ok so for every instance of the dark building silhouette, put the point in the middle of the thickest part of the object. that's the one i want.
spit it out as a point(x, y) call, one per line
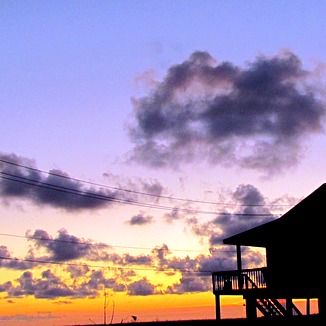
point(295, 254)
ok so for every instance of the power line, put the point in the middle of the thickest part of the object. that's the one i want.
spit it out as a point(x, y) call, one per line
point(102, 266)
point(107, 245)
point(139, 192)
point(49, 186)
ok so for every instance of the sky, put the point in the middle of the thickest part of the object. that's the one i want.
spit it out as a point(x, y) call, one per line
point(136, 136)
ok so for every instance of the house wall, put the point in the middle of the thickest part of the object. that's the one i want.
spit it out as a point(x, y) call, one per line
point(295, 267)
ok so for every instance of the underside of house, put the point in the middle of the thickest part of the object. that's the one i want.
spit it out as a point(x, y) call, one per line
point(251, 285)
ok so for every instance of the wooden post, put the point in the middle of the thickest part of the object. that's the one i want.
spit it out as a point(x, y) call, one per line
point(251, 311)
point(321, 307)
point(239, 266)
point(217, 307)
point(308, 307)
point(289, 306)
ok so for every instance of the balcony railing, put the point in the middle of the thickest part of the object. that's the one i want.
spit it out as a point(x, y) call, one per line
point(239, 281)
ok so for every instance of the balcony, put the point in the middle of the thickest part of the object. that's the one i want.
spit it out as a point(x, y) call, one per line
point(239, 282)
point(252, 285)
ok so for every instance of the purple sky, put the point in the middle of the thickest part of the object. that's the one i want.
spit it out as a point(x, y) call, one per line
point(139, 134)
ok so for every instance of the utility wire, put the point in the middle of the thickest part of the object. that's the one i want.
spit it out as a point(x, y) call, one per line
point(102, 266)
point(49, 186)
point(138, 192)
point(107, 245)
point(88, 194)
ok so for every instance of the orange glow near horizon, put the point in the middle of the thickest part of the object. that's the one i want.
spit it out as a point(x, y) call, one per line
point(120, 308)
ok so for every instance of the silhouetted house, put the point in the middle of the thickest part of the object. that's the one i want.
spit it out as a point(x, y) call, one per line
point(295, 254)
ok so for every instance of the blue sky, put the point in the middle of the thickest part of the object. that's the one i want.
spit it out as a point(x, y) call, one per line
point(168, 104)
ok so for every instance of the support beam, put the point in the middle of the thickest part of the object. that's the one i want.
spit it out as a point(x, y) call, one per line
point(321, 306)
point(239, 262)
point(217, 307)
point(308, 307)
point(251, 311)
point(239, 266)
point(289, 306)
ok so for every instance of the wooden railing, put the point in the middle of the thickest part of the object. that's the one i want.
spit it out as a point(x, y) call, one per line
point(246, 279)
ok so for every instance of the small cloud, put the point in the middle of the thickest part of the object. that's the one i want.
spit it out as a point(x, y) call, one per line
point(140, 219)
point(142, 287)
point(62, 302)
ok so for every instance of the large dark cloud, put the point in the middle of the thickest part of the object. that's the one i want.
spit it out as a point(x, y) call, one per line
point(256, 117)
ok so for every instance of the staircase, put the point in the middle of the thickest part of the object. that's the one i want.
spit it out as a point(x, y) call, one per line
point(270, 307)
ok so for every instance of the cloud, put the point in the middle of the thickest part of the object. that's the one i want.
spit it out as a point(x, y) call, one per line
point(88, 281)
point(140, 219)
point(142, 287)
point(128, 259)
point(21, 180)
point(190, 284)
point(77, 271)
point(246, 208)
point(255, 117)
point(134, 188)
point(51, 286)
point(251, 211)
point(7, 261)
point(93, 282)
point(174, 215)
point(63, 302)
point(55, 188)
point(48, 286)
point(28, 318)
point(65, 246)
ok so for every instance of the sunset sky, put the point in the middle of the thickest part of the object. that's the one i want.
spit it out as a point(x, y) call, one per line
point(137, 135)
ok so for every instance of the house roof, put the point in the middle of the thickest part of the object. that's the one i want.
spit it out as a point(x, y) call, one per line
point(303, 221)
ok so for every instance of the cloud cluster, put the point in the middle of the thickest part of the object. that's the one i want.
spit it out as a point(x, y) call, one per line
point(86, 280)
point(122, 272)
point(249, 210)
point(51, 286)
point(254, 117)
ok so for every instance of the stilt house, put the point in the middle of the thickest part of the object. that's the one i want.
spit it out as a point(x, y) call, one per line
point(295, 256)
